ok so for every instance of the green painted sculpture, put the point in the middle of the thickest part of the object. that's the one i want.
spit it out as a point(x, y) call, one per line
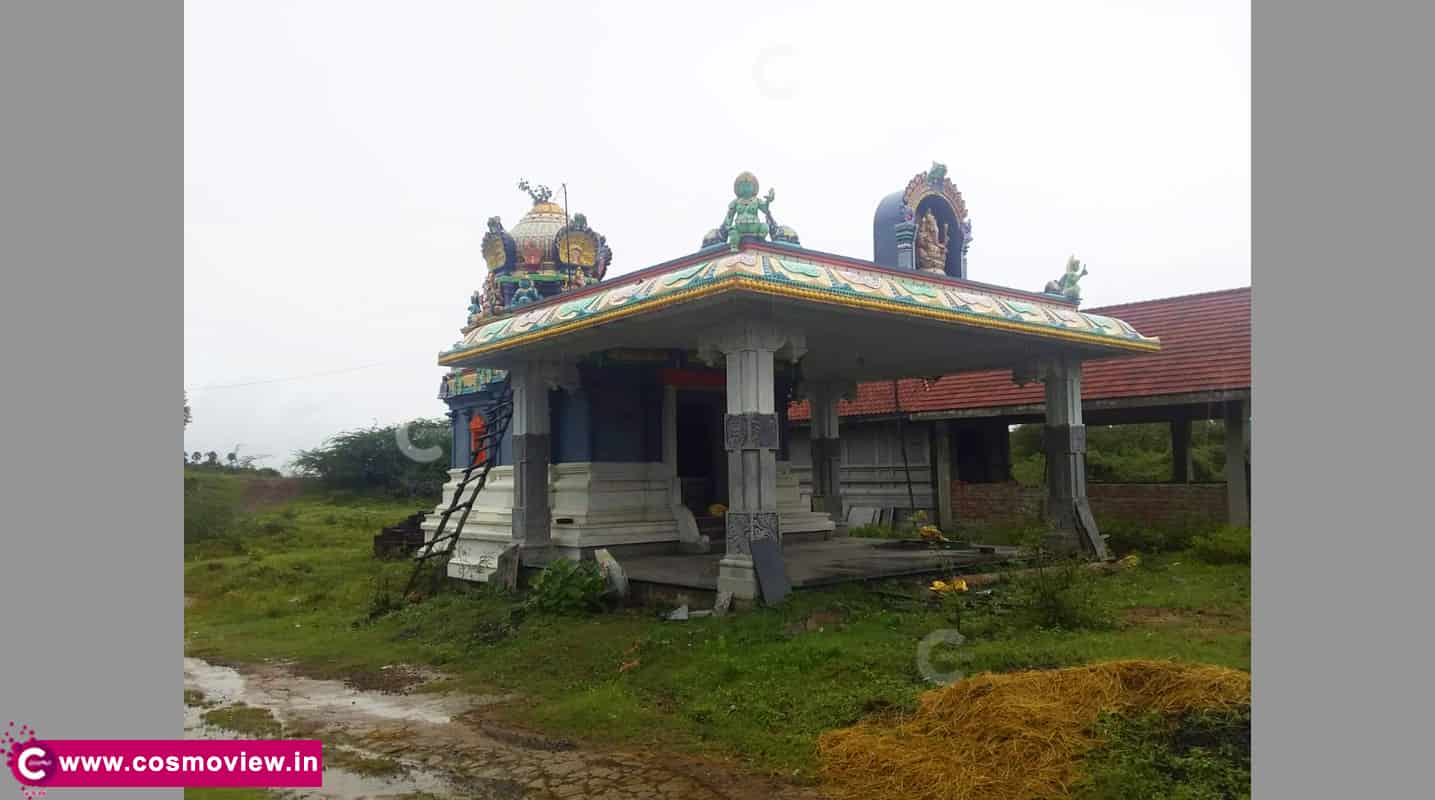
point(749, 215)
point(745, 211)
point(525, 294)
point(1066, 285)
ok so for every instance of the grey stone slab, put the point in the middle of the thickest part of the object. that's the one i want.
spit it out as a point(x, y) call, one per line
point(862, 515)
point(772, 578)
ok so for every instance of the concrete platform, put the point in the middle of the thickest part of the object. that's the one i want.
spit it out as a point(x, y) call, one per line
point(815, 563)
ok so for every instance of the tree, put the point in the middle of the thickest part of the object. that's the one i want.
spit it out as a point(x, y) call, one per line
point(1137, 453)
point(211, 459)
point(196, 457)
point(187, 417)
point(370, 459)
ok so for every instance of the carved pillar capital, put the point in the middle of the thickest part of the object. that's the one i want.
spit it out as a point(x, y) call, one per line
point(1045, 370)
point(741, 335)
point(556, 374)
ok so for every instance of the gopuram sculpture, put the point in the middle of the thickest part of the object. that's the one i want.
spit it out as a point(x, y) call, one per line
point(543, 256)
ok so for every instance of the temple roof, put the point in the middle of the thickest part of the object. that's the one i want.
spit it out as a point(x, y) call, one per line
point(804, 281)
point(1205, 348)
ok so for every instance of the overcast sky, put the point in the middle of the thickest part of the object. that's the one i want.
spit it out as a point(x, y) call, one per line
point(341, 159)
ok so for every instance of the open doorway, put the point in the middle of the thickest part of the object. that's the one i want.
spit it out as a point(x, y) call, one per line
point(702, 462)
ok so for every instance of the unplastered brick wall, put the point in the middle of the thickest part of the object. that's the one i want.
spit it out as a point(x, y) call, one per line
point(1150, 503)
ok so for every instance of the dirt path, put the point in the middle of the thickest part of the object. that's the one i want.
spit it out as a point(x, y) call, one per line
point(382, 745)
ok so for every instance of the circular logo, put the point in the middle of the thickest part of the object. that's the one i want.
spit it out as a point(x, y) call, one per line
point(34, 763)
point(948, 636)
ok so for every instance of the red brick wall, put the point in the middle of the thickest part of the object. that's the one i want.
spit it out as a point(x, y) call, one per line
point(1150, 503)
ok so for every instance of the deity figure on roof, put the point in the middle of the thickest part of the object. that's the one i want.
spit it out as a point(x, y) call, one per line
point(1066, 285)
point(932, 244)
point(525, 294)
point(742, 213)
point(749, 215)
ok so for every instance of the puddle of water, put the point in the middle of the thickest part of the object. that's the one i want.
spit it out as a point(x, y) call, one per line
point(223, 686)
point(290, 695)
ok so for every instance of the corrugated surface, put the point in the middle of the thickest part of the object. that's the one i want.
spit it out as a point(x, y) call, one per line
point(1205, 346)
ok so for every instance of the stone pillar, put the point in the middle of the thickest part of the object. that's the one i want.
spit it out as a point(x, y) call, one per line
point(670, 441)
point(1181, 460)
point(946, 518)
point(1064, 439)
point(996, 438)
point(1238, 502)
point(822, 398)
point(750, 436)
point(532, 452)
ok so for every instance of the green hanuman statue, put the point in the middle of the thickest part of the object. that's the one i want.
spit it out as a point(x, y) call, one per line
point(1068, 284)
point(745, 217)
point(743, 212)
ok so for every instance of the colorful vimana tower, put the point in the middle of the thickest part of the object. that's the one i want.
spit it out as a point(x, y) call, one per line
point(645, 415)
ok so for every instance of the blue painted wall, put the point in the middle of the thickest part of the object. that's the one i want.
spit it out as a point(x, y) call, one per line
point(626, 414)
point(572, 427)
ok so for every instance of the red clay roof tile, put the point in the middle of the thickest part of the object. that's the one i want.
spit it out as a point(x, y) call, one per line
point(1205, 346)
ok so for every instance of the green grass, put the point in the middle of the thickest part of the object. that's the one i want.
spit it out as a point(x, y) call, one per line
point(1204, 756)
point(248, 721)
point(756, 684)
point(370, 766)
point(209, 793)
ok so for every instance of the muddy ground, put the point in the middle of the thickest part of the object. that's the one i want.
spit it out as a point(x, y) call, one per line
point(390, 739)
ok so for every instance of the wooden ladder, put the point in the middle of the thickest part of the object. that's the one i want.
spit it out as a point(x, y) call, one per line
point(432, 559)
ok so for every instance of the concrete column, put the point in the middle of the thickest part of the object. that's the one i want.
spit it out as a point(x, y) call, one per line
point(670, 441)
point(827, 450)
point(458, 450)
point(1065, 445)
point(946, 519)
point(750, 436)
point(1237, 437)
point(997, 439)
point(532, 450)
point(1182, 465)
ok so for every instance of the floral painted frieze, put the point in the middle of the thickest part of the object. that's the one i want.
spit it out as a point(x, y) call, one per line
point(805, 278)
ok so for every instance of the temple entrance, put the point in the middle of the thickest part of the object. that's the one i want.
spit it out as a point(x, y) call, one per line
point(702, 462)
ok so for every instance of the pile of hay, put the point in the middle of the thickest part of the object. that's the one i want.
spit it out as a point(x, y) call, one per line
point(1017, 735)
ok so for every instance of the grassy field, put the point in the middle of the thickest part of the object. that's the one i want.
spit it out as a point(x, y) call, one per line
point(296, 582)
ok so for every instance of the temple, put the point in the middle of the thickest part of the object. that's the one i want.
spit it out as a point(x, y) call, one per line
point(650, 411)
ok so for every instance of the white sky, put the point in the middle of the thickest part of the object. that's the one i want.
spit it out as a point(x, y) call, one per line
point(341, 159)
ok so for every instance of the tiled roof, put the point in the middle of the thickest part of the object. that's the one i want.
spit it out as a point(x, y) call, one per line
point(1205, 346)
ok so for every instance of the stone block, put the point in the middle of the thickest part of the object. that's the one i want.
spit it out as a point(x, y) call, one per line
point(612, 571)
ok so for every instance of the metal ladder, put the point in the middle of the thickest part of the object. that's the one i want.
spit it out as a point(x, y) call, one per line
point(434, 556)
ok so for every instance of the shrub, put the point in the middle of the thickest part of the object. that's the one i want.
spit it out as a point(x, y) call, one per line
point(1225, 545)
point(566, 587)
point(1127, 536)
point(383, 599)
point(1062, 595)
